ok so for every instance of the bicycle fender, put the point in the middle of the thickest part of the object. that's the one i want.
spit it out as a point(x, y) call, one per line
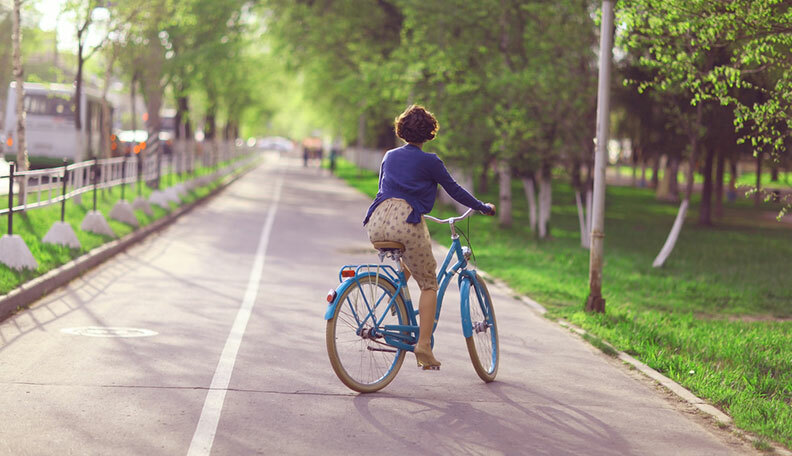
point(339, 291)
point(464, 292)
point(331, 307)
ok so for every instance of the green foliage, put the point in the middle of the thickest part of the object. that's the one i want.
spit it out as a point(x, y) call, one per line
point(734, 53)
point(504, 78)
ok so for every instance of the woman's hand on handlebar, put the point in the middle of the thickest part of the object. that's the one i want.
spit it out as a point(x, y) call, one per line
point(491, 211)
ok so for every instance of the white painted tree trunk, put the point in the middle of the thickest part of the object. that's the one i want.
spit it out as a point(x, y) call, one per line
point(583, 219)
point(504, 183)
point(668, 247)
point(545, 202)
point(530, 195)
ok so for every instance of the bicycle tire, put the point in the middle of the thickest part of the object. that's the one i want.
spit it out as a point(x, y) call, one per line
point(355, 363)
point(482, 345)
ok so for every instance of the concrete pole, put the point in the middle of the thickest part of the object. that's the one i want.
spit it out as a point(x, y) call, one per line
point(595, 302)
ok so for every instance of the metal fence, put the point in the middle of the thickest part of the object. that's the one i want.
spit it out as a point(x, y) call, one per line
point(44, 187)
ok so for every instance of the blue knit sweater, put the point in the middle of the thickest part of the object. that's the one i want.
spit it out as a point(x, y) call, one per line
point(411, 174)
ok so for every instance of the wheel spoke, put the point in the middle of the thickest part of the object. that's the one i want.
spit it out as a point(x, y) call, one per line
point(362, 362)
point(483, 343)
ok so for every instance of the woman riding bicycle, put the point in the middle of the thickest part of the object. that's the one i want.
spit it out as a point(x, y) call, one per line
point(407, 189)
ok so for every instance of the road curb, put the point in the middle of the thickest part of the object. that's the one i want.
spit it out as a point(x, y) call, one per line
point(22, 297)
point(678, 390)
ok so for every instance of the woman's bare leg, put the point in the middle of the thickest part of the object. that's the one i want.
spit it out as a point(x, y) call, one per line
point(427, 306)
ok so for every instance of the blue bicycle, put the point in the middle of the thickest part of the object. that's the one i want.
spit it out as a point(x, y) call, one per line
point(371, 321)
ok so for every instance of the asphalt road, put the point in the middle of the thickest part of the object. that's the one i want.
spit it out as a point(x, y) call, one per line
point(228, 303)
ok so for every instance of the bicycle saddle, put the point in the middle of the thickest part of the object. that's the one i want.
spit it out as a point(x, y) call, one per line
point(387, 246)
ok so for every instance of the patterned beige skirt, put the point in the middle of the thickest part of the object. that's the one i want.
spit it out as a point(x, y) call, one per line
point(389, 223)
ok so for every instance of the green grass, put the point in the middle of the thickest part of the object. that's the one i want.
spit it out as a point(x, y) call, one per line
point(32, 226)
point(717, 318)
point(747, 179)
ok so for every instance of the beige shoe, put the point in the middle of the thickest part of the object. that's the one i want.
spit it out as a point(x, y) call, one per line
point(426, 359)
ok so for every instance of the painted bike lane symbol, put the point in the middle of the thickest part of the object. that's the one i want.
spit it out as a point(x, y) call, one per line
point(108, 331)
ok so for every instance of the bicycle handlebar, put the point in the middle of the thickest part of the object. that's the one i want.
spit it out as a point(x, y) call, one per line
point(451, 220)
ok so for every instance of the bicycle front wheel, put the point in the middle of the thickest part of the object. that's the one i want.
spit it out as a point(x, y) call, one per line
point(360, 357)
point(482, 345)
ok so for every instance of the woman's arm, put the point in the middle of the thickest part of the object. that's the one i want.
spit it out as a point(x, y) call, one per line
point(444, 178)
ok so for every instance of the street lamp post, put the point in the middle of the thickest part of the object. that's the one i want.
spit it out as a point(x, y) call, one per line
point(595, 301)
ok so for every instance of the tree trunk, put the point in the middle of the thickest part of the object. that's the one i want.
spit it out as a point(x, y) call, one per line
point(184, 116)
point(106, 121)
point(668, 247)
point(133, 99)
point(78, 88)
point(504, 184)
point(656, 172)
point(673, 182)
point(719, 172)
point(577, 185)
point(774, 172)
point(670, 242)
point(530, 195)
point(732, 194)
point(643, 174)
point(210, 134)
point(758, 194)
point(184, 131)
point(153, 91)
point(545, 201)
point(705, 207)
point(663, 187)
point(21, 144)
point(484, 178)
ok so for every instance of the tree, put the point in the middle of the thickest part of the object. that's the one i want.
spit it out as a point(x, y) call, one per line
point(87, 13)
point(735, 54)
point(21, 146)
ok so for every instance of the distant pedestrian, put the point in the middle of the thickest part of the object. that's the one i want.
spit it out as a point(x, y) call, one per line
point(333, 153)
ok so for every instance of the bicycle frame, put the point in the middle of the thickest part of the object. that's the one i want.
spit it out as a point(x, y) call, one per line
point(405, 336)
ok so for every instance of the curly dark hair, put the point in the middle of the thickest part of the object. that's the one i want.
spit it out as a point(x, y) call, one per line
point(416, 125)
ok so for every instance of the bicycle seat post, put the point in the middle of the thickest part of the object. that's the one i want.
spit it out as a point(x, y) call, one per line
point(390, 249)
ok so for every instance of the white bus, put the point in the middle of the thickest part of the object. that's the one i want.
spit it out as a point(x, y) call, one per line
point(49, 125)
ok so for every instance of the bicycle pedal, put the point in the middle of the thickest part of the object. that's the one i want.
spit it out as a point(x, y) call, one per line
point(429, 368)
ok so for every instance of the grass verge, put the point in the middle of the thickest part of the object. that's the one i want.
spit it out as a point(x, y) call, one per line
point(716, 319)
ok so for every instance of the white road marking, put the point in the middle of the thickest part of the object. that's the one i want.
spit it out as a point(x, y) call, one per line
point(108, 331)
point(210, 415)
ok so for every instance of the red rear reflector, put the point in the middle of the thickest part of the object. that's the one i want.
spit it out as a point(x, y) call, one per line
point(348, 273)
point(331, 295)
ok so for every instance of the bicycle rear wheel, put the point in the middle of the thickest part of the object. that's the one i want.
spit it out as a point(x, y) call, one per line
point(482, 345)
point(364, 361)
